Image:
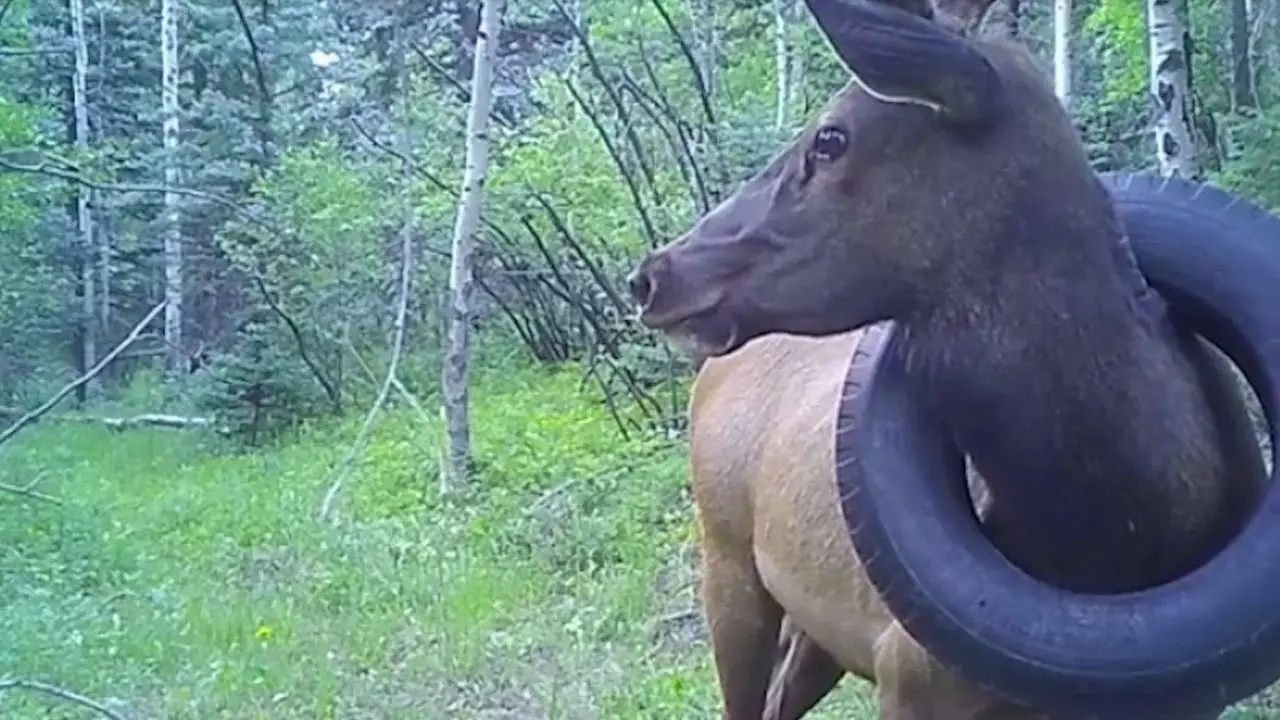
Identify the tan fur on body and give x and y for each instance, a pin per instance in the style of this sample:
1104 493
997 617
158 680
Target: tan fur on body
762 442
785 595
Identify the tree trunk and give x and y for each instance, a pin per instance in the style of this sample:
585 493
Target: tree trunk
172 227
90 325
1175 152
1241 62
1062 50
1013 18
789 61
1257 61
461 281
101 226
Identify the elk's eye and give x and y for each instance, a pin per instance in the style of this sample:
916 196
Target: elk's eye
829 143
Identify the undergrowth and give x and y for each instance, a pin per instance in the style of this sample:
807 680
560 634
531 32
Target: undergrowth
181 579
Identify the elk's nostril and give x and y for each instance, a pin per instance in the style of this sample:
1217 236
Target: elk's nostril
639 286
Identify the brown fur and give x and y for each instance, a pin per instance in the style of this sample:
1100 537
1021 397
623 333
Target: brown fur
783 588
762 440
1116 452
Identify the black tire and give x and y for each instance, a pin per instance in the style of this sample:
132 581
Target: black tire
1182 649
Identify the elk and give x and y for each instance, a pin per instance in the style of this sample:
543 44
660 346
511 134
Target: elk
932 267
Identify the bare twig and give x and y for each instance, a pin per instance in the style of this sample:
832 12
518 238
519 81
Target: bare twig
331 390
397 345
259 72
704 94
61 694
409 163
263 125
46 168
616 154
70 387
28 52
339 474
547 496
463 92
395 383
29 491
597 273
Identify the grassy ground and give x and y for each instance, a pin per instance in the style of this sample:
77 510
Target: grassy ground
179 581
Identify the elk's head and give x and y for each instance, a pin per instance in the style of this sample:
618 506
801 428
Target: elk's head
907 174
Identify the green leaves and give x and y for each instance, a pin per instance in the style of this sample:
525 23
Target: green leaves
1121 26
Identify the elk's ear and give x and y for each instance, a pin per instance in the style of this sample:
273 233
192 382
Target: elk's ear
898 56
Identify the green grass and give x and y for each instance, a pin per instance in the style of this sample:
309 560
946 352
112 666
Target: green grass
179 581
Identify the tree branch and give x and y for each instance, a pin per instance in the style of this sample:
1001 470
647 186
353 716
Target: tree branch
60 693
70 387
413 166
463 92
402 310
46 168
29 491
28 52
395 383
253 51
330 390
703 95
173 422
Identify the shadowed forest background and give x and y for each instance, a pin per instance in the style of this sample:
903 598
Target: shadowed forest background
288 430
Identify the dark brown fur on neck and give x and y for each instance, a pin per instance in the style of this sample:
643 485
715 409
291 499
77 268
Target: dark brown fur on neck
1038 361
1045 346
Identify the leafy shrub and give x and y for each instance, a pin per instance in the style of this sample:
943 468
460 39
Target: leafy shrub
259 387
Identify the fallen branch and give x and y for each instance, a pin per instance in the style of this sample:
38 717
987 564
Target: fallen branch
27 52
70 387
61 694
45 167
131 422
29 492
175 422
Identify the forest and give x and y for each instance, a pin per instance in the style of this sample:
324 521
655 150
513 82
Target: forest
321 393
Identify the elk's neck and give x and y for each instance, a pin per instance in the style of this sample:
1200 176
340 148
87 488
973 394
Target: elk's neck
1076 401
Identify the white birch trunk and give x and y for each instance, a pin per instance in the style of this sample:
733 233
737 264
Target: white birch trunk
790 61
1175 152
456 356
172 228
1062 51
90 322
104 238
